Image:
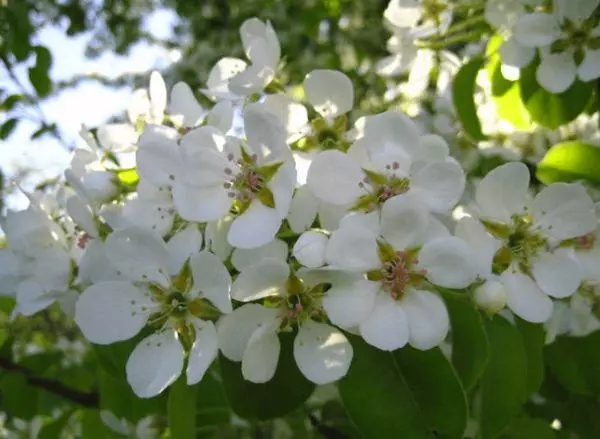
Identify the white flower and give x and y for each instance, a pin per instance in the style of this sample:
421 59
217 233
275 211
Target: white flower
424 18
525 232
249 334
388 159
232 78
560 35
390 303
159 293
149 106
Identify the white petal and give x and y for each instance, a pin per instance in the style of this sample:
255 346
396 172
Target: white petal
428 321
537 29
292 114
263 279
353 248
503 14
158 96
516 55
589 260
107 312
95 266
309 249
480 242
9 272
557 274
201 204
221 116
387 326
403 222
219 76
138 254
330 92
525 298
334 177
152 214
323 354
265 132
261 354
158 157
433 148
155 364
182 245
575 10
252 80
448 262
243 258
253 33
590 67
390 129
282 186
254 228
32 297
235 329
184 107
557 71
491 296
216 237
303 209
203 352
350 303
439 185
403 13
503 192
116 137
564 211
211 279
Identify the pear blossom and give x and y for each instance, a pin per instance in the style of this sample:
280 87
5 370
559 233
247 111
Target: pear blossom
249 334
392 302
388 159
173 287
516 238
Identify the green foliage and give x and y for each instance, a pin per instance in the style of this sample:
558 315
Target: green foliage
463 91
504 382
570 161
182 409
553 110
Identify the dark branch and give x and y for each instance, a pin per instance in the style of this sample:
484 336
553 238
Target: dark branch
91 399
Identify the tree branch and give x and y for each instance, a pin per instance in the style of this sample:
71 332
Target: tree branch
86 399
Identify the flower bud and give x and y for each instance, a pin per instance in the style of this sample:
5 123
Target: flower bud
491 296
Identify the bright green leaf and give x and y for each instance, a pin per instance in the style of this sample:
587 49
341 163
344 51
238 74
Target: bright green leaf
377 397
504 380
470 347
553 110
182 409
128 177
287 389
570 161
436 389
463 91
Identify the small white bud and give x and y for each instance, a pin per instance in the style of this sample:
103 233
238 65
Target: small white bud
491 296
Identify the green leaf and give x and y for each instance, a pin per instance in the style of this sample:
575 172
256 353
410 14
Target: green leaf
530 428
182 409
10 102
463 91
533 336
506 94
436 389
470 347
18 397
8 127
377 398
505 378
92 426
53 429
570 161
43 130
575 362
287 389
553 110
212 408
39 75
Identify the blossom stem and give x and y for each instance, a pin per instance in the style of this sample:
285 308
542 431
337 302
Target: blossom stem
450 41
459 27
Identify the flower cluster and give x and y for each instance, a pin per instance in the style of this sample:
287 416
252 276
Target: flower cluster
206 230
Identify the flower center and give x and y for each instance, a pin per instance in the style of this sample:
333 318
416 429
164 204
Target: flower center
247 182
397 272
379 188
522 243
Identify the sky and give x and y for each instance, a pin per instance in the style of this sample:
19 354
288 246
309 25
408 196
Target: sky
89 103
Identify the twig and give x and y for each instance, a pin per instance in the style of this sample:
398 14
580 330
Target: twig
86 399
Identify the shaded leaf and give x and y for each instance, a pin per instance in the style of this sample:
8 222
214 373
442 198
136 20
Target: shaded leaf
463 94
